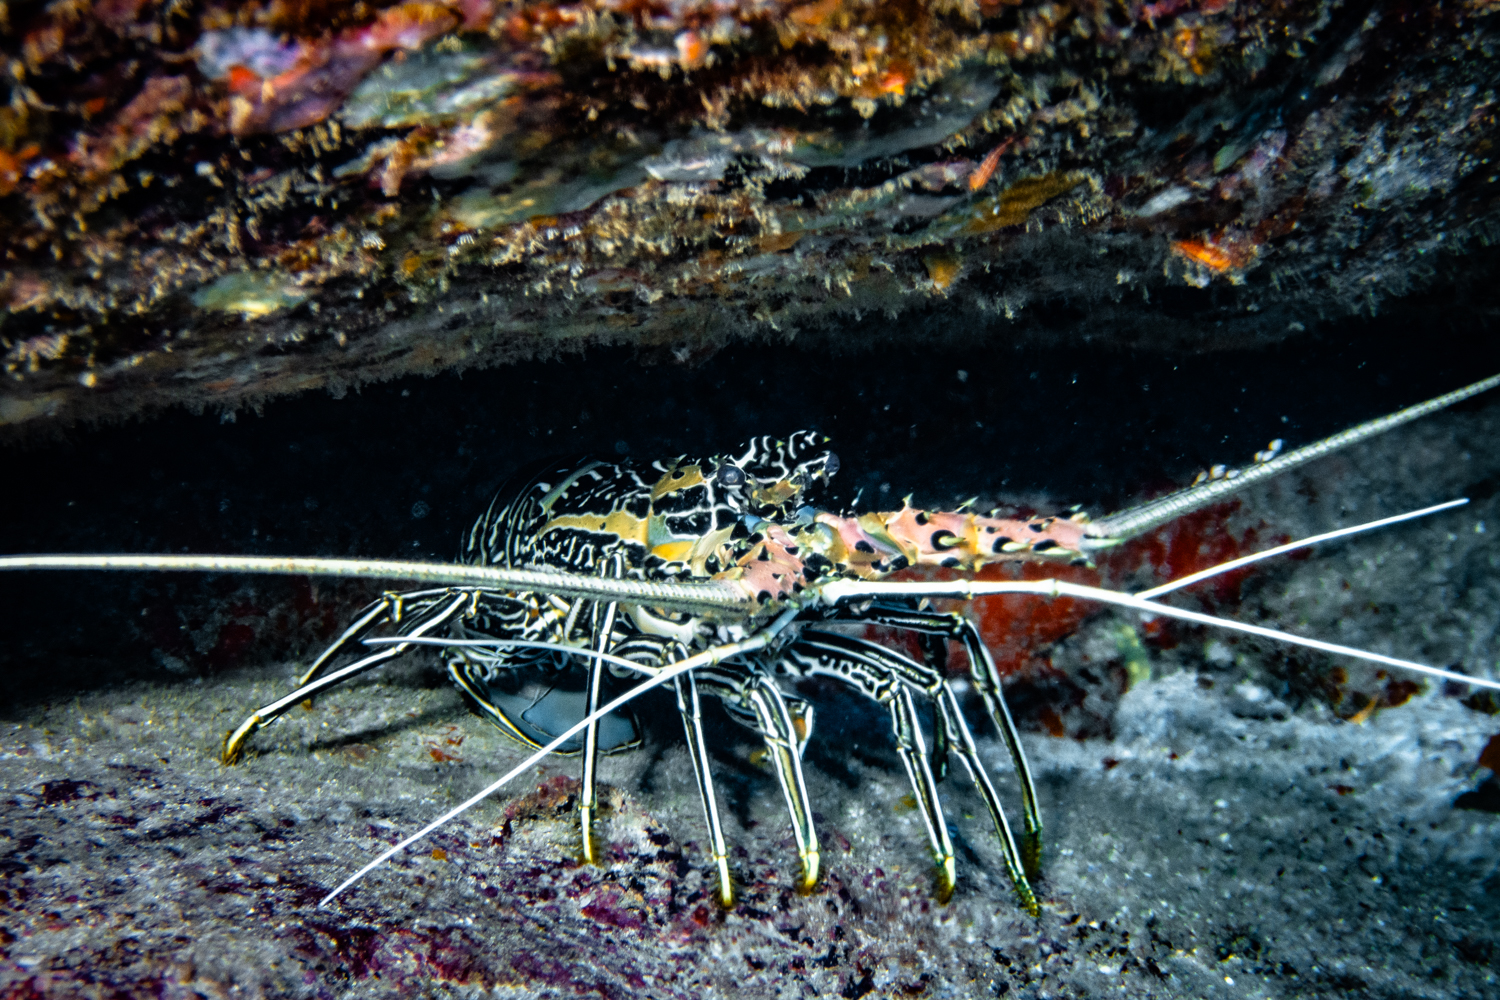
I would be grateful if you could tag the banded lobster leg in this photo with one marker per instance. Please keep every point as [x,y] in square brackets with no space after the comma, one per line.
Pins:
[650,654]
[472,678]
[433,609]
[936,628]
[784,722]
[889,677]
[603,618]
[689,706]
[602,641]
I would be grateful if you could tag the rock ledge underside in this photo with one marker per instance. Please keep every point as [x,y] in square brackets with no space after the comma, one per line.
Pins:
[210,204]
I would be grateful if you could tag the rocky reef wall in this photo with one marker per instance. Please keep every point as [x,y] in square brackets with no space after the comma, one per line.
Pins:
[209,204]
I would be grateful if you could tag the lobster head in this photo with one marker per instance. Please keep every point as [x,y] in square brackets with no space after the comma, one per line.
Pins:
[772,477]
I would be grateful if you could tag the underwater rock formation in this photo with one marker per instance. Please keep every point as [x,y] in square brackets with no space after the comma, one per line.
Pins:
[1223,817]
[210,204]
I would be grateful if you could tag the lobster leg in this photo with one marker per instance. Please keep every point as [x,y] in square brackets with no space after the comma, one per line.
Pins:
[885,676]
[662,652]
[435,615]
[392,607]
[914,757]
[604,627]
[777,727]
[692,720]
[588,797]
[888,677]
[986,678]
[963,741]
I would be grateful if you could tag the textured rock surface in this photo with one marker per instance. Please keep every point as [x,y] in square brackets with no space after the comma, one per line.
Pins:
[205,205]
[1224,854]
[1219,820]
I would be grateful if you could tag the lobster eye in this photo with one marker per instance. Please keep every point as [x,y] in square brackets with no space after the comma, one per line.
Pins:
[831,465]
[731,475]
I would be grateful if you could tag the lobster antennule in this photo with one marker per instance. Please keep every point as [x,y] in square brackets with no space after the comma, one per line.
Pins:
[846,590]
[1122,525]
[1302,543]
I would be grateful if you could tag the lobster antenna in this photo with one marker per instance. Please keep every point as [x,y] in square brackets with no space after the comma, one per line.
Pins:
[681,596]
[1132,521]
[1212,571]
[709,657]
[842,590]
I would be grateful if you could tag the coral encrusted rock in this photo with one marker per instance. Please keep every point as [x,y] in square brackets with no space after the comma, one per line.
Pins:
[207,204]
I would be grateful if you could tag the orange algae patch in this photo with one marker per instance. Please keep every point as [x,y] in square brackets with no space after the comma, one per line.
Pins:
[1203,253]
[895,79]
[1218,254]
[692,49]
[814,15]
[1011,206]
[943,269]
[10,173]
[1186,42]
[244,81]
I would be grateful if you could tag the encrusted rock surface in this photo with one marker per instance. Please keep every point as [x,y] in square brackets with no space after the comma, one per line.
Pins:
[1223,818]
[1204,851]
[206,204]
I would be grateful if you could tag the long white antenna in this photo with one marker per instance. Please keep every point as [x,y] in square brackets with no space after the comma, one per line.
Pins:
[842,590]
[1213,571]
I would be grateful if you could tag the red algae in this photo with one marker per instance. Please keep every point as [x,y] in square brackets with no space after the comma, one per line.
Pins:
[1018,629]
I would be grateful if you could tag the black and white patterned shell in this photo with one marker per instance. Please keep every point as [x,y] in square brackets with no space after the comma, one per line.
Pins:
[669,520]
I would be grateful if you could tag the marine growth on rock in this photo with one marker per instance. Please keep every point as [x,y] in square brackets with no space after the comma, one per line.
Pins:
[210,203]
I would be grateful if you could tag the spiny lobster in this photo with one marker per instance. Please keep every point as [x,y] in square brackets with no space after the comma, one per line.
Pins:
[720,576]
